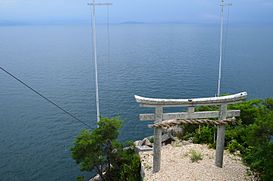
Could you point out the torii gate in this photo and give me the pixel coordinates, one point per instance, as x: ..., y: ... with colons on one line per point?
x: 162, y: 120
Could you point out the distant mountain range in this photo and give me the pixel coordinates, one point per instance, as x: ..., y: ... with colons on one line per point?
x: 132, y: 22
x: 87, y: 22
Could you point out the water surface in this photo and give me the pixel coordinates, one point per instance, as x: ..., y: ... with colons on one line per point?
x: 167, y: 61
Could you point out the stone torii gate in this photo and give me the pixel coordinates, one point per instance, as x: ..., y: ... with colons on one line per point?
x: 190, y: 117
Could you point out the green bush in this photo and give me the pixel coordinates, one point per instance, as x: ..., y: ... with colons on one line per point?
x: 259, y: 154
x: 249, y: 110
x: 269, y: 103
x: 235, y: 138
x: 204, y: 135
x: 252, y: 135
x: 260, y: 159
x: 100, y: 150
x: 234, y: 146
x: 131, y: 169
x: 126, y: 164
x: 261, y: 131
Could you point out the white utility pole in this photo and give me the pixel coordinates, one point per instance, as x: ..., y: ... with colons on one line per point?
x: 94, y: 4
x: 221, y: 47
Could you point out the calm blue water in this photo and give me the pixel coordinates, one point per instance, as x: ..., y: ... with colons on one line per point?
x: 172, y: 61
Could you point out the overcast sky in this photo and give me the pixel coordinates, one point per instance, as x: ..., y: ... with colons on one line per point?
x: 189, y: 11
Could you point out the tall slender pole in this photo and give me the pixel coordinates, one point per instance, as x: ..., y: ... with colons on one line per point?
x: 221, y: 50
x: 221, y: 53
x: 95, y: 58
x: 94, y: 34
x: 221, y: 47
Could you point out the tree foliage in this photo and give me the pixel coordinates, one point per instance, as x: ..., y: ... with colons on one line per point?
x: 99, y: 149
x: 252, y: 136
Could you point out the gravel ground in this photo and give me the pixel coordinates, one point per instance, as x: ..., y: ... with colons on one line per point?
x: 176, y: 165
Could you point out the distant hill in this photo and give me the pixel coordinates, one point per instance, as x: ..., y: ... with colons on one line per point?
x: 132, y: 22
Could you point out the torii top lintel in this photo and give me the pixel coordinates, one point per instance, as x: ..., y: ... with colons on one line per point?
x: 154, y: 102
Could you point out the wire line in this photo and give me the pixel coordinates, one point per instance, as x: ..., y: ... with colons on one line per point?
x: 45, y: 98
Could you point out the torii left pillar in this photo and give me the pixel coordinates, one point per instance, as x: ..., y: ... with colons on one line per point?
x: 157, y: 139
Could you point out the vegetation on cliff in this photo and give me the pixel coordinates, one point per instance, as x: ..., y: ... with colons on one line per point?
x: 99, y: 149
x: 251, y: 137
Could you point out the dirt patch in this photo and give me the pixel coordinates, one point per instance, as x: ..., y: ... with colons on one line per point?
x: 177, y: 165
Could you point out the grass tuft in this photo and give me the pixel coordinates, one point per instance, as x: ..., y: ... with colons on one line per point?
x: 195, y: 156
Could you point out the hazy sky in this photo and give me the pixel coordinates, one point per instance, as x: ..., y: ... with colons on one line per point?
x: 190, y: 11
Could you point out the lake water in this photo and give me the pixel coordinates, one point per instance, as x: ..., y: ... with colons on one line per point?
x: 167, y: 61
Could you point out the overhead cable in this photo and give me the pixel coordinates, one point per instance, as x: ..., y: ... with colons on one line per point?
x: 45, y: 98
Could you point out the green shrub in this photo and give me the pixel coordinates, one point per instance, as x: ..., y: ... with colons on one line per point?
x: 261, y: 131
x: 212, y: 145
x: 131, y: 169
x: 259, y: 154
x: 234, y: 146
x: 235, y: 138
x: 260, y: 159
x: 249, y: 110
x: 190, y: 130
x: 252, y: 135
x: 100, y: 150
x: 269, y: 103
x: 126, y: 166
x: 204, y: 135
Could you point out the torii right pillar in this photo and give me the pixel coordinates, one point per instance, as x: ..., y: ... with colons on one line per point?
x: 220, y: 141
